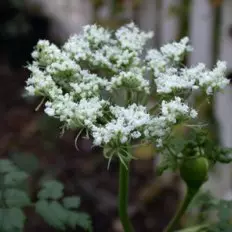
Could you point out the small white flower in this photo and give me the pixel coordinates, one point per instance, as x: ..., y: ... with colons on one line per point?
x: 130, y: 37
x: 49, y: 111
x: 41, y: 83
x: 135, y: 134
x: 133, y: 79
x: 175, y: 51
x: 30, y: 90
x: 193, y: 113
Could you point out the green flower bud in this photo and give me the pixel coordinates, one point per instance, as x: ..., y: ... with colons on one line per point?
x: 194, y: 171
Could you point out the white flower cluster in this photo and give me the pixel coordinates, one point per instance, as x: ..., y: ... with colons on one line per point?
x: 46, y: 53
x: 169, y: 77
x: 87, y: 84
x: 215, y: 79
x: 174, y: 52
x: 171, y: 81
x: 174, y: 79
x: 176, y: 109
x: 78, y: 81
x: 42, y: 84
x: 132, y: 80
x: 130, y: 37
x: 105, y: 50
x: 96, y: 35
x: 75, y: 115
x: 127, y: 123
x: 135, y: 122
x: 159, y: 127
x: 169, y: 55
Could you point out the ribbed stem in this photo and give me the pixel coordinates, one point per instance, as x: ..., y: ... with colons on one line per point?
x: 123, y: 198
x: 184, y: 205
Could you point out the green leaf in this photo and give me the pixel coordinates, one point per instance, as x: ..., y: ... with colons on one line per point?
x: 52, y: 184
x: 5, y: 223
x: 52, y: 189
x: 43, y: 208
x: 71, y: 202
x: 79, y: 219
x: 177, y: 144
x: 16, y: 197
x: 57, y: 216
x: 7, y: 166
x: 11, y: 219
x: 15, y: 178
x: 224, y: 210
x: 59, y: 211
x: 17, y: 217
x: 26, y: 162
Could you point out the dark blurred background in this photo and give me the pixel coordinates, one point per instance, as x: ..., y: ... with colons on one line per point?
x: 31, y: 137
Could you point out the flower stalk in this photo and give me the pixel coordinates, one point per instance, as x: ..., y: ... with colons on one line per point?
x: 190, y: 194
x: 123, y: 197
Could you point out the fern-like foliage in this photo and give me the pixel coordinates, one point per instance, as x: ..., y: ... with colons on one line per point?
x: 12, y: 197
x: 221, y: 209
x: 60, y: 214
x: 58, y: 211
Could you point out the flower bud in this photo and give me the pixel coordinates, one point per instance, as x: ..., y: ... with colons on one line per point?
x: 194, y: 171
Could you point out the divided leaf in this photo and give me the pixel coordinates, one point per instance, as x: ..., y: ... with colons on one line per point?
x: 13, y: 199
x: 51, y: 189
x: 15, y: 178
x: 16, y: 217
x: 43, y: 208
x: 71, y: 202
x: 16, y: 198
x: 6, y: 166
x: 11, y: 219
x: 79, y: 219
x: 59, y: 211
x: 59, y: 217
x: 26, y: 162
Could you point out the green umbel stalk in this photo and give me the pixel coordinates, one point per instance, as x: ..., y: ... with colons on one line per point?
x: 123, y: 198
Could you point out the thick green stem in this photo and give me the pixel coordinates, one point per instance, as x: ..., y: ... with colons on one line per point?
x: 184, y: 205
x: 123, y: 197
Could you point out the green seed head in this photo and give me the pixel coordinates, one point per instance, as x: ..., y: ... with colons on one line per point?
x: 194, y: 171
